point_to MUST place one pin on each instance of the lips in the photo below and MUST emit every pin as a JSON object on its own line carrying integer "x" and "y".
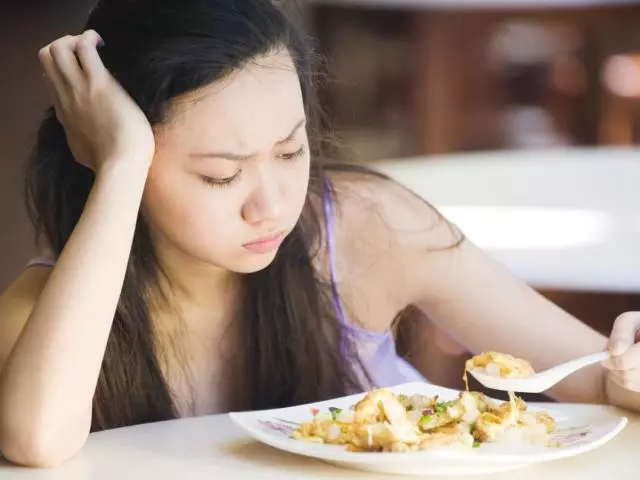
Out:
{"x": 265, "y": 244}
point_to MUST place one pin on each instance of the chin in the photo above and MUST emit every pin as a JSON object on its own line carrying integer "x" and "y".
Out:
{"x": 253, "y": 263}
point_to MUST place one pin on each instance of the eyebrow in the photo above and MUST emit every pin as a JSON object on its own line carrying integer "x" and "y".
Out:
{"x": 237, "y": 156}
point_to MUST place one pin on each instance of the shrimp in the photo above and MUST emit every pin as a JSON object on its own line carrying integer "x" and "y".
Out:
{"x": 379, "y": 406}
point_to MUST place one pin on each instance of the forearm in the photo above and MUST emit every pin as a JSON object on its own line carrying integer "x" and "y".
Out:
{"x": 48, "y": 381}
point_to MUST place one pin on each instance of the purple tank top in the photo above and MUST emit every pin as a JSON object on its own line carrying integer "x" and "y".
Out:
{"x": 377, "y": 351}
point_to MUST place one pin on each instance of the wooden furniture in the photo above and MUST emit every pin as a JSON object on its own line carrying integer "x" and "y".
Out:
{"x": 414, "y": 77}
{"x": 621, "y": 100}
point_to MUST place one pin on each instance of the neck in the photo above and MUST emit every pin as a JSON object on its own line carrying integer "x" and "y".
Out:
{"x": 187, "y": 281}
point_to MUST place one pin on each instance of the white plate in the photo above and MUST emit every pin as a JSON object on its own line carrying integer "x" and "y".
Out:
{"x": 580, "y": 428}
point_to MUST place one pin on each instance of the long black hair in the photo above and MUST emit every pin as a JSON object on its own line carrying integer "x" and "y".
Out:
{"x": 291, "y": 338}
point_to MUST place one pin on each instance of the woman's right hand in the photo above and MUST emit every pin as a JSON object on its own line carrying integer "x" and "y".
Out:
{"x": 102, "y": 122}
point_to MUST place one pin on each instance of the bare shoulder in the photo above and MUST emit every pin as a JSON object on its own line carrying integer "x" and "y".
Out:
{"x": 16, "y": 304}
{"x": 385, "y": 235}
{"x": 378, "y": 213}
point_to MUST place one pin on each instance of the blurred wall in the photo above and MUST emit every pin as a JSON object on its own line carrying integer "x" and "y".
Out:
{"x": 24, "y": 28}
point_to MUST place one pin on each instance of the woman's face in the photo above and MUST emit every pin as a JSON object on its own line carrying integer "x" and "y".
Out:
{"x": 230, "y": 175}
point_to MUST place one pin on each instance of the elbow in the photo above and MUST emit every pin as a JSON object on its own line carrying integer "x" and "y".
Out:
{"x": 33, "y": 453}
{"x": 36, "y": 448}
{"x": 38, "y": 437}
{"x": 32, "y": 459}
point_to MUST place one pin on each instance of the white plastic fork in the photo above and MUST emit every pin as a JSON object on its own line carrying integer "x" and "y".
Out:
{"x": 541, "y": 381}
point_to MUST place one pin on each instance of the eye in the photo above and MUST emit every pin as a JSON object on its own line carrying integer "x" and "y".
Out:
{"x": 220, "y": 182}
{"x": 294, "y": 155}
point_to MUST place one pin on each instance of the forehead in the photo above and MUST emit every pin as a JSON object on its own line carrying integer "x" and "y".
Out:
{"x": 248, "y": 110}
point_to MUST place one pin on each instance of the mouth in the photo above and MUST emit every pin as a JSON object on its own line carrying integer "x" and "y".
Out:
{"x": 265, "y": 244}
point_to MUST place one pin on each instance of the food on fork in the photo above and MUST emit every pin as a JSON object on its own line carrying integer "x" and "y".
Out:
{"x": 500, "y": 365}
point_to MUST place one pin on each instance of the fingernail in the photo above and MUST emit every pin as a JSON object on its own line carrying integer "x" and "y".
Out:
{"x": 100, "y": 42}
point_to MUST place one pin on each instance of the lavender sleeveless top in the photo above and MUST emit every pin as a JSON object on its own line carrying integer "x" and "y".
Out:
{"x": 376, "y": 351}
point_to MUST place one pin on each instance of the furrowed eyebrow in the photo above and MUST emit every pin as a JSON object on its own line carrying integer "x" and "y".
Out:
{"x": 240, "y": 156}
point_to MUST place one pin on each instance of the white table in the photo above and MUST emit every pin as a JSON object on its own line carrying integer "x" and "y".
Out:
{"x": 212, "y": 448}
{"x": 560, "y": 219}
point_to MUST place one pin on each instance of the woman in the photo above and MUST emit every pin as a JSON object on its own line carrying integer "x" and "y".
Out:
{"x": 203, "y": 260}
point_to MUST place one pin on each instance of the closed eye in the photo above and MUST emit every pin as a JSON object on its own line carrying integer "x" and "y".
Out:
{"x": 220, "y": 182}
{"x": 294, "y": 155}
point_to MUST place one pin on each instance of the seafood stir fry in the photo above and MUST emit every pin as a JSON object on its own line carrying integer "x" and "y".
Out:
{"x": 387, "y": 422}
{"x": 500, "y": 365}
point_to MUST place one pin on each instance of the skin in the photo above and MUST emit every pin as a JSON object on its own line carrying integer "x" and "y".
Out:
{"x": 218, "y": 175}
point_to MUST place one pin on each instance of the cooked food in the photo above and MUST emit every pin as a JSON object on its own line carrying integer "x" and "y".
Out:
{"x": 498, "y": 365}
{"x": 383, "y": 421}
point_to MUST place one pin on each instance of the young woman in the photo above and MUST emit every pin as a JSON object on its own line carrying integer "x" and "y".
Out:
{"x": 203, "y": 259}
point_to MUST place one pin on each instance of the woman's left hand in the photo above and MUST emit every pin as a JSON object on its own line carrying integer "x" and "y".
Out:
{"x": 624, "y": 364}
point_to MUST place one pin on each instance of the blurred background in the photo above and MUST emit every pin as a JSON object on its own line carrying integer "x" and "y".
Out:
{"x": 405, "y": 78}
{"x": 425, "y": 77}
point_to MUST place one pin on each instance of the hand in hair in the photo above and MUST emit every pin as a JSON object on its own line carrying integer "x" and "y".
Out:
{"x": 102, "y": 123}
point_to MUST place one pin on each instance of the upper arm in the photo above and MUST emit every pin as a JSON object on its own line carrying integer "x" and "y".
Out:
{"x": 419, "y": 258}
{"x": 16, "y": 304}
{"x": 486, "y": 307}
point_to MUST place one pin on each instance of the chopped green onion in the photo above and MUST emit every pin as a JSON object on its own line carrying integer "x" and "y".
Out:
{"x": 476, "y": 444}
{"x": 335, "y": 412}
{"x": 426, "y": 419}
{"x": 442, "y": 407}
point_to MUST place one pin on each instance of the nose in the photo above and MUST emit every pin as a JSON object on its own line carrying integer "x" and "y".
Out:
{"x": 265, "y": 204}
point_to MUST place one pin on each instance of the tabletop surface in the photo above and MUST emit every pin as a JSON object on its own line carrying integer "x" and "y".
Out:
{"x": 566, "y": 219}
{"x": 214, "y": 448}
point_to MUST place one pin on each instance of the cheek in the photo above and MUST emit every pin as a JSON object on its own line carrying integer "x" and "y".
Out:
{"x": 185, "y": 212}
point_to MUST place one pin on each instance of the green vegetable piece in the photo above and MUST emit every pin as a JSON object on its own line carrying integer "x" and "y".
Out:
{"x": 335, "y": 412}
{"x": 426, "y": 419}
{"x": 442, "y": 407}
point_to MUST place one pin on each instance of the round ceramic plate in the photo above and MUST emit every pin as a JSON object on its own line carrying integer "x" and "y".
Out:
{"x": 580, "y": 428}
